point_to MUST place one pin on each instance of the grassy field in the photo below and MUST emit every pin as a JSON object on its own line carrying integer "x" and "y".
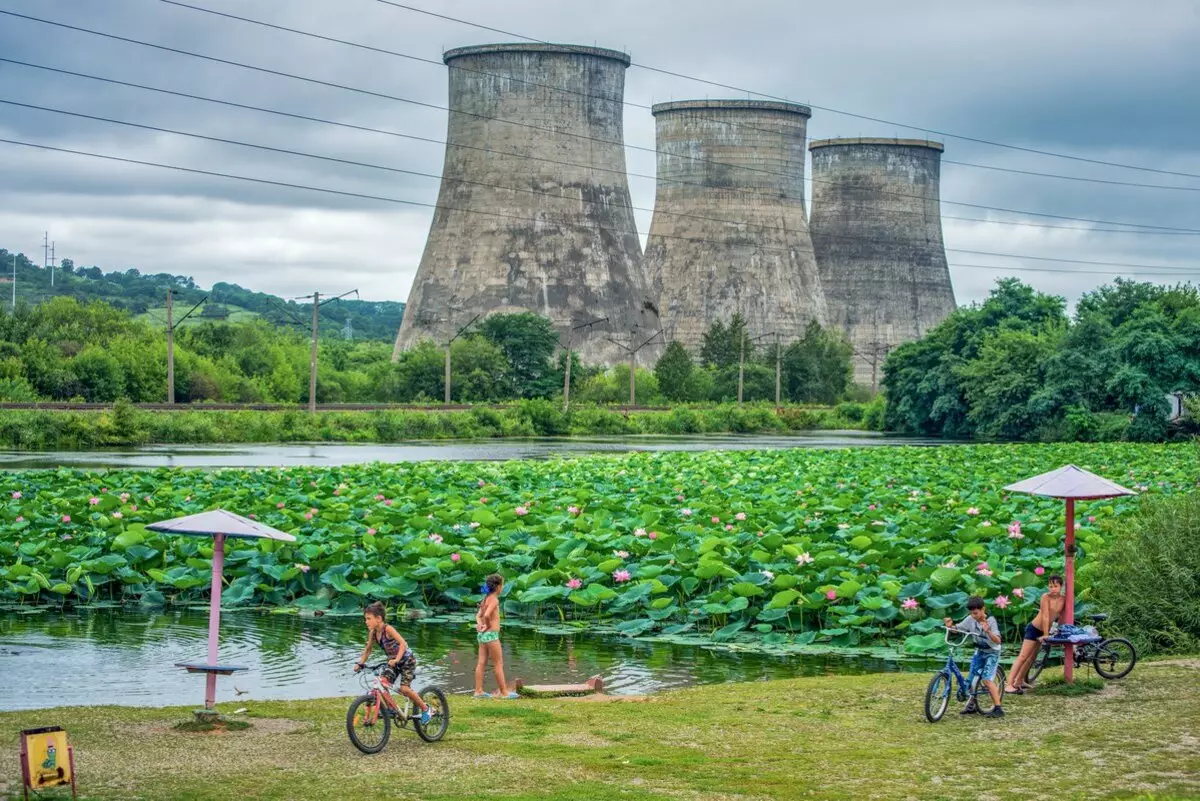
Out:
{"x": 837, "y": 737}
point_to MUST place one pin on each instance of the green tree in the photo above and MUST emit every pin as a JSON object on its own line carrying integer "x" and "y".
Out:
{"x": 721, "y": 344}
{"x": 528, "y": 342}
{"x": 674, "y": 372}
{"x": 817, "y": 368}
{"x": 99, "y": 375}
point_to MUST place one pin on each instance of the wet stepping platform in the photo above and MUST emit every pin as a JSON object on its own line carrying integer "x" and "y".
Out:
{"x": 593, "y": 685}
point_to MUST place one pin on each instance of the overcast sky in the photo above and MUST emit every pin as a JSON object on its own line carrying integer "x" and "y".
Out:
{"x": 1114, "y": 81}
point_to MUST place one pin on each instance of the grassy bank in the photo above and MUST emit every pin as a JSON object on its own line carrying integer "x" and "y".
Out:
{"x": 837, "y": 737}
{"x": 126, "y": 425}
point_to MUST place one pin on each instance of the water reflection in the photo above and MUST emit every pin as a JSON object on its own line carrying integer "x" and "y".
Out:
{"x": 333, "y": 454}
{"x": 116, "y": 656}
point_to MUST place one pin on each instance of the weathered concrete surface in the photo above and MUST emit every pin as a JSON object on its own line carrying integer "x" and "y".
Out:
{"x": 877, "y": 231}
{"x": 729, "y": 231}
{"x": 512, "y": 233}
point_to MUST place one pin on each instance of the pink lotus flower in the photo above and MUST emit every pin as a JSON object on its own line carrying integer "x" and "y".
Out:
{"x": 1019, "y": 592}
{"x": 843, "y": 526}
{"x": 103, "y": 490}
{"x": 133, "y": 508}
{"x": 1002, "y": 601}
{"x": 17, "y": 495}
{"x": 481, "y": 483}
{"x": 620, "y": 576}
{"x": 572, "y": 510}
{"x": 146, "y": 498}
{"x": 986, "y": 524}
{"x": 729, "y": 526}
{"x": 923, "y": 507}
{"x": 758, "y": 534}
{"x": 387, "y": 502}
{"x": 379, "y": 497}
{"x": 1039, "y": 570}
{"x": 454, "y": 557}
{"x": 740, "y": 516}
{"x": 93, "y": 501}
{"x": 972, "y": 511}
{"x": 804, "y": 559}
{"x": 371, "y": 531}
{"x": 483, "y": 500}
{"x": 66, "y": 518}
{"x": 879, "y": 523}
{"x": 252, "y": 516}
{"x": 768, "y": 575}
{"x": 520, "y": 511}
{"x": 831, "y": 594}
{"x": 313, "y": 510}
{"x": 279, "y": 505}
{"x": 871, "y": 508}
{"x": 574, "y": 584}
{"x": 20, "y": 519}
{"x": 653, "y": 535}
{"x": 302, "y": 568}
{"x": 64, "y": 536}
{"x": 436, "y": 538}
{"x": 1078, "y": 525}
{"x": 118, "y": 515}
{"x": 640, "y": 532}
{"x": 910, "y": 603}
{"x": 621, "y": 554}
{"x": 124, "y": 497}
{"x": 308, "y": 515}
{"x": 1014, "y": 530}
{"x": 985, "y": 572}
{"x": 716, "y": 519}
{"x": 679, "y": 497}
{"x": 1091, "y": 518}
{"x": 685, "y": 512}
{"x": 474, "y": 524}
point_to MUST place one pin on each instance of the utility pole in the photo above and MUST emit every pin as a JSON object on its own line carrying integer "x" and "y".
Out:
{"x": 567, "y": 371}
{"x": 14, "y": 308}
{"x": 632, "y": 351}
{"x": 778, "y": 370}
{"x": 312, "y": 360}
{"x": 53, "y": 263}
{"x": 450, "y": 342}
{"x": 171, "y": 326}
{"x": 46, "y": 254}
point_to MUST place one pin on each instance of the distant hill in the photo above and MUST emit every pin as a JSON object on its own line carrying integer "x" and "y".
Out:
{"x": 144, "y": 295}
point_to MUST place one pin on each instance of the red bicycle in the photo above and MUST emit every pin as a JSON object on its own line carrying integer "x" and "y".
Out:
{"x": 369, "y": 718}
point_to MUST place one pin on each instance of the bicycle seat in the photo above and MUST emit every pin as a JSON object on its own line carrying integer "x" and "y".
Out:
{"x": 1098, "y": 618}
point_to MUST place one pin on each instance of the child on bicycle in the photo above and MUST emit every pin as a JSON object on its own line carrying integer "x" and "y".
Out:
{"x": 986, "y": 633}
{"x": 402, "y": 664}
{"x": 487, "y": 634}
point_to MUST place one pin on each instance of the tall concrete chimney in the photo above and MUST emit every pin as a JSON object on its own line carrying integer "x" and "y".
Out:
{"x": 534, "y": 211}
{"x": 877, "y": 231}
{"x": 729, "y": 232}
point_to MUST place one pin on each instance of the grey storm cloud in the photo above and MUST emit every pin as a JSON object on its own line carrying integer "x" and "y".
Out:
{"x": 1107, "y": 80}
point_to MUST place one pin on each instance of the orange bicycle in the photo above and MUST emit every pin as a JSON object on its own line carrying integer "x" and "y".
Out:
{"x": 369, "y": 718}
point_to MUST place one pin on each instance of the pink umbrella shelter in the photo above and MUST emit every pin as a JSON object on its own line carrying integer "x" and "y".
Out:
{"x": 1071, "y": 484}
{"x": 220, "y": 525}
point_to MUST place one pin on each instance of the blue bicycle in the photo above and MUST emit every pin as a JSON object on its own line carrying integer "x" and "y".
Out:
{"x": 937, "y": 696}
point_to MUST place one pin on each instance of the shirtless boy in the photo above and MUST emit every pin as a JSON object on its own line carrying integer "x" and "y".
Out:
{"x": 1050, "y": 610}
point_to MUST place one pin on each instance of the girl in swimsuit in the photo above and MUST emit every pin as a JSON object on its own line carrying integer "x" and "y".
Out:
{"x": 1050, "y": 609}
{"x": 487, "y": 628}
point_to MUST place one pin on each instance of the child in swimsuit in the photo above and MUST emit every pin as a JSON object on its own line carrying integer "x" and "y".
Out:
{"x": 402, "y": 663}
{"x": 487, "y": 634}
{"x": 1050, "y": 609}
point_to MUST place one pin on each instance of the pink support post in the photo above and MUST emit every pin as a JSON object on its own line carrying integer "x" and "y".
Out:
{"x": 1069, "y": 576}
{"x": 214, "y": 619}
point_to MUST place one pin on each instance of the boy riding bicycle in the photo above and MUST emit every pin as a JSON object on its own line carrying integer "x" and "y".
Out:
{"x": 986, "y": 633}
{"x": 402, "y": 663}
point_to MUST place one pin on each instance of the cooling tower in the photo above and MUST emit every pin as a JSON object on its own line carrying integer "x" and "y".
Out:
{"x": 729, "y": 231}
{"x": 534, "y": 211}
{"x": 877, "y": 231}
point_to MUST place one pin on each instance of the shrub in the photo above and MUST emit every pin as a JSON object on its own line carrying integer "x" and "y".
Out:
{"x": 1148, "y": 579}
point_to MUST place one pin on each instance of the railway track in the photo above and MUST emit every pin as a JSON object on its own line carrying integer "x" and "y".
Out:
{"x": 283, "y": 407}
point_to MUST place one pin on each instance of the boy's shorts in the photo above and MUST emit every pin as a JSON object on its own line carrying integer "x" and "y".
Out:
{"x": 985, "y": 663}
{"x": 405, "y": 670}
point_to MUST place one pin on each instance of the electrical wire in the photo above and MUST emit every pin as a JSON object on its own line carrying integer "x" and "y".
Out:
{"x": 385, "y": 199}
{"x": 869, "y": 118}
{"x": 578, "y": 93}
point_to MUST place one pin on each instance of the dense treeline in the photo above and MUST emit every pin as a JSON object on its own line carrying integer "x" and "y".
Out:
{"x": 143, "y": 293}
{"x": 63, "y": 349}
{"x": 1018, "y": 367}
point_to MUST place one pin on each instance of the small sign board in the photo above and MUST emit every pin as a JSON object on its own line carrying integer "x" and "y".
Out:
{"x": 46, "y": 759}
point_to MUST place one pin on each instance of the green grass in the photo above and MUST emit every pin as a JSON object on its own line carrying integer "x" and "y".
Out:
{"x": 1057, "y": 685}
{"x": 832, "y": 737}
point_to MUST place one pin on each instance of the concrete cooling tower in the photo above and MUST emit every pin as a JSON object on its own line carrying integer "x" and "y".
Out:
{"x": 877, "y": 231}
{"x": 534, "y": 211}
{"x": 729, "y": 231}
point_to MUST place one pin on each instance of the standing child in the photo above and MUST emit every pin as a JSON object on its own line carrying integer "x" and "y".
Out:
{"x": 487, "y": 628}
{"x": 402, "y": 663}
{"x": 986, "y": 633}
{"x": 1050, "y": 609}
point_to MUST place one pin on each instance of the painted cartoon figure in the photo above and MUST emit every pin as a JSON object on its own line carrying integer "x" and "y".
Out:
{"x": 51, "y": 760}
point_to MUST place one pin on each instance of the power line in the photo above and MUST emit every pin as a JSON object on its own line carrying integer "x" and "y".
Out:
{"x": 1154, "y": 229}
{"x": 369, "y": 165}
{"x": 831, "y": 110}
{"x": 632, "y": 104}
{"x": 380, "y": 198}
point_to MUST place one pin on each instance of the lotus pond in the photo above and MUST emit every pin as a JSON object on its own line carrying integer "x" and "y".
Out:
{"x": 786, "y": 550}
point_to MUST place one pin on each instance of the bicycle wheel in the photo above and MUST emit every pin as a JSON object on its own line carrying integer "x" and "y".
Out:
{"x": 368, "y": 726}
{"x": 983, "y": 698}
{"x": 1039, "y": 662}
{"x": 435, "y": 729}
{"x": 937, "y": 697}
{"x": 1114, "y": 658}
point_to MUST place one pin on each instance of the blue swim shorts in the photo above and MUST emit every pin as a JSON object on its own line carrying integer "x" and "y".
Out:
{"x": 985, "y": 663}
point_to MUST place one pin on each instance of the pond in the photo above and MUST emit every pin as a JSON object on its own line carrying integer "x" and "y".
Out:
{"x": 127, "y": 657}
{"x": 334, "y": 454}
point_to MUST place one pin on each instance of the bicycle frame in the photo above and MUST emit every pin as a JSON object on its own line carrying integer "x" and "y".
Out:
{"x": 385, "y": 699}
{"x": 951, "y": 667}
